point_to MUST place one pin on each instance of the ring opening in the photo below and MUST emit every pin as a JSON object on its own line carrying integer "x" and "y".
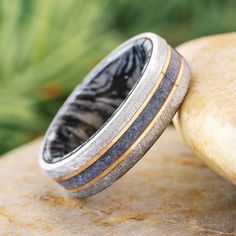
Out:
{"x": 96, "y": 101}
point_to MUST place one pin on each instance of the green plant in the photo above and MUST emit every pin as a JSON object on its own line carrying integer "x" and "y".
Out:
{"x": 48, "y": 46}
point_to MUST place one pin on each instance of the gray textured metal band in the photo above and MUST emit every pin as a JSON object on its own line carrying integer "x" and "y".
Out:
{"x": 115, "y": 115}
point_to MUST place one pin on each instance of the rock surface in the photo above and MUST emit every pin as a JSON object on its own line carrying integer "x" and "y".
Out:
{"x": 169, "y": 192}
{"x": 207, "y": 118}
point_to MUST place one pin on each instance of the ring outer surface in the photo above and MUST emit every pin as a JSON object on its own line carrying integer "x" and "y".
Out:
{"x": 66, "y": 170}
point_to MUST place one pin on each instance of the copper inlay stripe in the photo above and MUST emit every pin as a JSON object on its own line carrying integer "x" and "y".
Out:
{"x": 123, "y": 156}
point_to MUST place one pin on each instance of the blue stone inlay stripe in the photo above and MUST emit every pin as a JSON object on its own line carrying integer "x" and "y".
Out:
{"x": 134, "y": 131}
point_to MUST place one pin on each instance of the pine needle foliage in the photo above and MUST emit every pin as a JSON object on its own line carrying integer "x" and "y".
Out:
{"x": 48, "y": 46}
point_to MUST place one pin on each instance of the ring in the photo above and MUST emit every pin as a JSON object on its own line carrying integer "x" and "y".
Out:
{"x": 111, "y": 120}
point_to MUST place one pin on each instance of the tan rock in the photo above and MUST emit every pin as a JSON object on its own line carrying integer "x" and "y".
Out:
{"x": 169, "y": 192}
{"x": 207, "y": 118}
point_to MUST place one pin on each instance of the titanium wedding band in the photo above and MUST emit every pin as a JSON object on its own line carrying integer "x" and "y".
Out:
{"x": 111, "y": 120}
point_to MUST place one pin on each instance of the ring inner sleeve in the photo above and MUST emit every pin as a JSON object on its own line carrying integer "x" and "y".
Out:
{"x": 96, "y": 101}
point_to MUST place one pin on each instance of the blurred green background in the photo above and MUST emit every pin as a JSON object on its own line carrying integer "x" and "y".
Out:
{"x": 48, "y": 46}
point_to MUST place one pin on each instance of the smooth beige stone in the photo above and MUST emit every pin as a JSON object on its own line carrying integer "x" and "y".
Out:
{"x": 207, "y": 117}
{"x": 169, "y": 192}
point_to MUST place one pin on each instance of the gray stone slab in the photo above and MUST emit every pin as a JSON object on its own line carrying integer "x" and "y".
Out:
{"x": 169, "y": 192}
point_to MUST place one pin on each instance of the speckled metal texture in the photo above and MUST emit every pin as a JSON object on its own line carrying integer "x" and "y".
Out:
{"x": 146, "y": 102}
{"x": 96, "y": 100}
